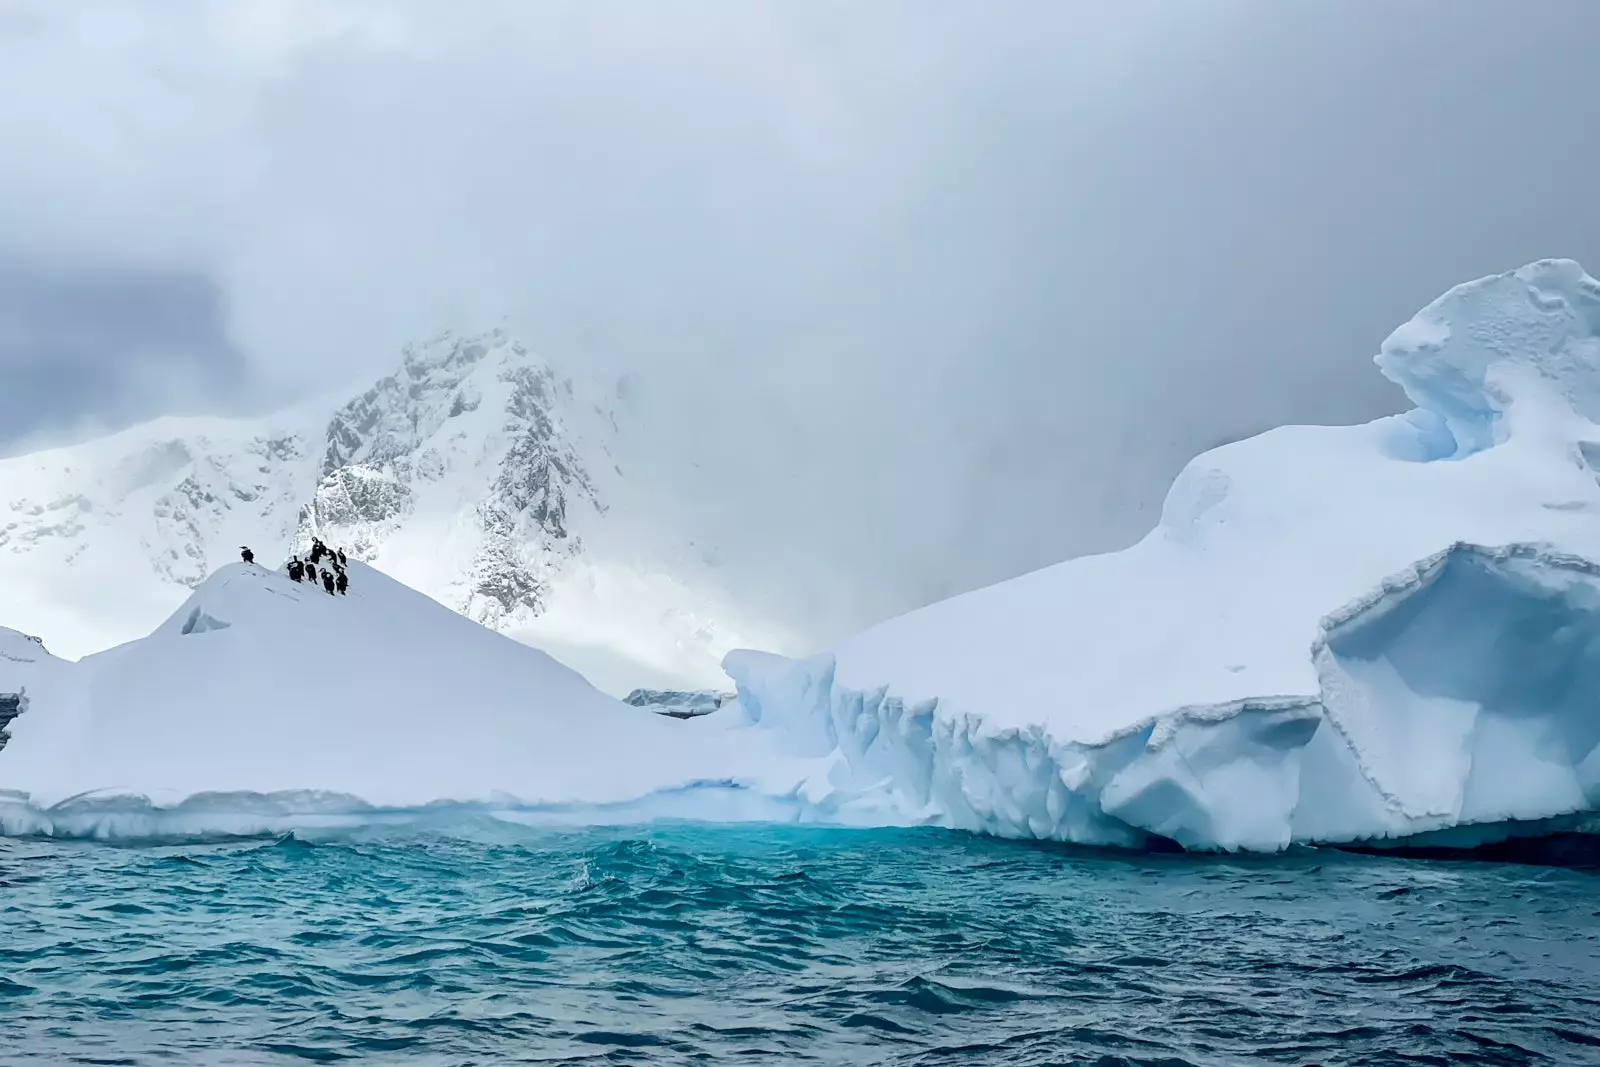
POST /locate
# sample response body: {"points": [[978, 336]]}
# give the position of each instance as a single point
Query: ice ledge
{"points": [[1541, 321], [1450, 695]]}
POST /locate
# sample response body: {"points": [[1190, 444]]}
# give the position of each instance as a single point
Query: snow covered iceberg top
{"points": [[259, 685], [1211, 647], [1461, 358]]}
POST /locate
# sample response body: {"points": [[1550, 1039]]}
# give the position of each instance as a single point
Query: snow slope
{"points": [[473, 473], [1334, 633], [261, 700]]}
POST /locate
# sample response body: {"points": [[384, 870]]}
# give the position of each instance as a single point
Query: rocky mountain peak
{"points": [[434, 383], [475, 425]]}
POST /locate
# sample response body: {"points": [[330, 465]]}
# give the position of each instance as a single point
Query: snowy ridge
{"points": [[1334, 634]]}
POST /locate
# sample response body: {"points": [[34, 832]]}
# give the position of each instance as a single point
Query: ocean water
{"points": [[484, 943]]}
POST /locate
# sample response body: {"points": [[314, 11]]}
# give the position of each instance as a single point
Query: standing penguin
{"points": [[246, 555], [297, 570], [327, 581], [342, 582]]}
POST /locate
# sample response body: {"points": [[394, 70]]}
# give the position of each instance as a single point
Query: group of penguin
{"points": [[332, 575]]}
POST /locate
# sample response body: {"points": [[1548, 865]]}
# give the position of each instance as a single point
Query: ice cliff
{"points": [[1333, 634]]}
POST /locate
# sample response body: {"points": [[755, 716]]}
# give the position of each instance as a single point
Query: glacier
{"points": [[1360, 635], [1334, 634]]}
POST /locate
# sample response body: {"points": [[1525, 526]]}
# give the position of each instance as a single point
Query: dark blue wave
{"points": [[688, 943]]}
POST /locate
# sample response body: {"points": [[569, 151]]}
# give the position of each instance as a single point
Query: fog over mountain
{"points": [[904, 298]]}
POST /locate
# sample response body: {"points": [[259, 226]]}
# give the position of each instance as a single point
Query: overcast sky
{"points": [[920, 294]]}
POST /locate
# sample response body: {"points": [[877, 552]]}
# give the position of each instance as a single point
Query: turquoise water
{"points": [[482, 943]]}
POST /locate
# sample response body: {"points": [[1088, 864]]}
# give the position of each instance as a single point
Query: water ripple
{"points": [[682, 944]]}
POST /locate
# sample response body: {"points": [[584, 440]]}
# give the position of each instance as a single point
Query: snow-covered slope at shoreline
{"points": [[1334, 633], [290, 701], [473, 473]]}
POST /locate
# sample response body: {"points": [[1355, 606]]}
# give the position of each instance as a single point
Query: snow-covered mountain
{"points": [[474, 473], [472, 430]]}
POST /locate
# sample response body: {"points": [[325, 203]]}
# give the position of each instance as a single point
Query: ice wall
{"points": [[1460, 693], [1334, 633]]}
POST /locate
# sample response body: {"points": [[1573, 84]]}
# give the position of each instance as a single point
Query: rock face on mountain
{"points": [[474, 473], [476, 427]]}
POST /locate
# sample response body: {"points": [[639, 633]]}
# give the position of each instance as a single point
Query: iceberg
{"points": [[1334, 634], [262, 702], [1351, 635]]}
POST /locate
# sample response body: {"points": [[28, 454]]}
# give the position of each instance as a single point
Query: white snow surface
{"points": [[1334, 633], [262, 699]]}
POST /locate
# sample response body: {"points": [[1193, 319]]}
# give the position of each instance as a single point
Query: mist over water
{"points": [[489, 943]]}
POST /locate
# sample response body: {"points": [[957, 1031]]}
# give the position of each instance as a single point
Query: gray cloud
{"points": [[950, 291], [89, 349]]}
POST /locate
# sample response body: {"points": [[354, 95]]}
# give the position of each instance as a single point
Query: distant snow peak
{"points": [[388, 422], [475, 431], [355, 507], [218, 480]]}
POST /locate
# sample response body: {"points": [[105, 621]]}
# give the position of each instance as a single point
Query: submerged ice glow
{"points": [[1334, 634]]}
